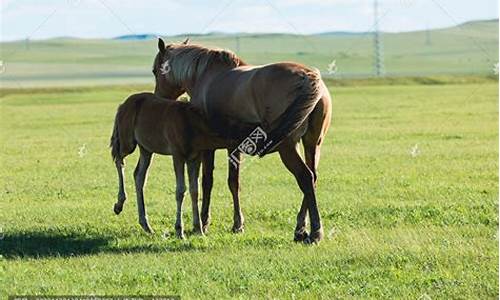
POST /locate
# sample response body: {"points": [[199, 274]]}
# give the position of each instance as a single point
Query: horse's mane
{"points": [[189, 61]]}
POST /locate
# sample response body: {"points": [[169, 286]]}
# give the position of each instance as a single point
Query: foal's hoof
{"points": [[300, 236], [315, 237], [118, 208], [179, 232]]}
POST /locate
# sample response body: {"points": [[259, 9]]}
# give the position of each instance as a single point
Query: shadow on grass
{"points": [[44, 244], [39, 244]]}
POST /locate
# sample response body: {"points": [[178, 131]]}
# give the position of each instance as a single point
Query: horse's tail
{"points": [[308, 93], [122, 140]]}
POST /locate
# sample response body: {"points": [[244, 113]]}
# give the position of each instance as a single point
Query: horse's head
{"points": [[165, 86]]}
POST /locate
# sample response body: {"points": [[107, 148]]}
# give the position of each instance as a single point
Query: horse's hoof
{"points": [[147, 228], [204, 228], [300, 236], [198, 231], [118, 208], [238, 229], [315, 237]]}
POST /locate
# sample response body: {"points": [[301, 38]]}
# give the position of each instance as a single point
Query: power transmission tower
{"points": [[378, 55]]}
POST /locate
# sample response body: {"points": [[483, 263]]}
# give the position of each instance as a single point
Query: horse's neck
{"points": [[197, 88], [198, 85]]}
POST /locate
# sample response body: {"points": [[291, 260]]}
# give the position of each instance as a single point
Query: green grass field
{"points": [[408, 192], [471, 48]]}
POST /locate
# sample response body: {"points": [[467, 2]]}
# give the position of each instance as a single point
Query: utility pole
{"points": [[238, 44], [378, 55], [428, 41]]}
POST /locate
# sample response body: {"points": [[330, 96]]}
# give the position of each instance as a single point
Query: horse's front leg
{"points": [[193, 175], [180, 189], [233, 181], [206, 184], [140, 174]]}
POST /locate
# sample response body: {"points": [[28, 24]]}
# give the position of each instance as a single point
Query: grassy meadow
{"points": [[408, 178], [408, 193]]}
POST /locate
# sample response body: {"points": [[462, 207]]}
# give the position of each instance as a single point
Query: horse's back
{"points": [[255, 95]]}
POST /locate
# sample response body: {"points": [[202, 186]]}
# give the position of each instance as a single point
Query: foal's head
{"points": [[165, 86]]}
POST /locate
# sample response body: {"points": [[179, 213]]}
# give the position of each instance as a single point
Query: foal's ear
{"points": [[186, 41], [161, 45]]}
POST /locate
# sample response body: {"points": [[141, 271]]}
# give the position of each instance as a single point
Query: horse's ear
{"points": [[161, 45], [186, 41]]}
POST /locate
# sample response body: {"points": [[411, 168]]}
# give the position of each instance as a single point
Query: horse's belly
{"points": [[234, 101], [153, 143]]}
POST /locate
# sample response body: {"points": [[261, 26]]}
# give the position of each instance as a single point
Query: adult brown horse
{"points": [[289, 101]]}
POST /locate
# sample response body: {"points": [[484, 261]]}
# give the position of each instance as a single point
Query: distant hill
{"points": [[466, 25], [132, 37], [470, 48]]}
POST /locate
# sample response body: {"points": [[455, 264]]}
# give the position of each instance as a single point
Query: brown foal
{"points": [[165, 127]]}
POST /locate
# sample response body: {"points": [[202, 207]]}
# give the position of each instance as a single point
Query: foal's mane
{"points": [[189, 61]]}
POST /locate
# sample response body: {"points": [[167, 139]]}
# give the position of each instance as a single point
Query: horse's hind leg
{"points": [[233, 181], [180, 189], [312, 155], [301, 234], [318, 123], [193, 175], [140, 174], [305, 179], [206, 184], [122, 195]]}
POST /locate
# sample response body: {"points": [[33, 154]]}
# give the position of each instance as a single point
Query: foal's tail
{"points": [[122, 140], [308, 93], [115, 140]]}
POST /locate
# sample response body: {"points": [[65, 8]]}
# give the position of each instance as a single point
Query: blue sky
{"points": [[39, 19]]}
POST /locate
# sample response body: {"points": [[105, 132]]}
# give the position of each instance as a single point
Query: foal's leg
{"points": [[140, 175], [193, 175], [206, 184], [122, 195], [179, 194], [233, 181], [294, 163]]}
